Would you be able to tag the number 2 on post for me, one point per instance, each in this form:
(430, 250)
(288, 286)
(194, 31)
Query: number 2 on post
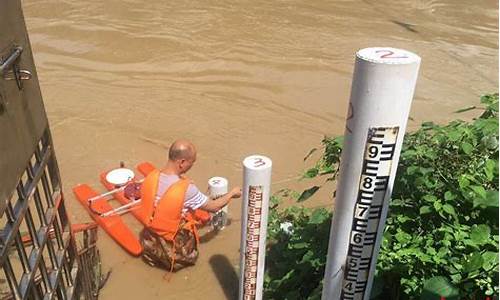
(389, 54)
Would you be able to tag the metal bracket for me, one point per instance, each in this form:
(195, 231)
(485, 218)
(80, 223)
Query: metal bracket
(21, 75)
(9, 68)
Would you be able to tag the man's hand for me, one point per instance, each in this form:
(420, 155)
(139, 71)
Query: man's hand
(216, 204)
(235, 192)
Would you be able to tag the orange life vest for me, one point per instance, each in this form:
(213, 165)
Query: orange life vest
(166, 218)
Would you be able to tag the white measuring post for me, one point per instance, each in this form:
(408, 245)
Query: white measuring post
(217, 187)
(382, 91)
(254, 212)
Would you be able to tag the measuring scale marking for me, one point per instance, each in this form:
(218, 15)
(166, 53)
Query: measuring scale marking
(374, 179)
(254, 216)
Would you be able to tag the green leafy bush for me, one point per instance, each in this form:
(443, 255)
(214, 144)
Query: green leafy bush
(296, 254)
(441, 235)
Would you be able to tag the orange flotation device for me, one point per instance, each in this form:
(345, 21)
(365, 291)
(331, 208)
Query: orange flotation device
(167, 218)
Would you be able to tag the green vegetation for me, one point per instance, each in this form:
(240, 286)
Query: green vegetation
(441, 234)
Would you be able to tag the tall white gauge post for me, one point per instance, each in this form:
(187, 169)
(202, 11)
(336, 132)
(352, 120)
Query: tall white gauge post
(255, 208)
(382, 91)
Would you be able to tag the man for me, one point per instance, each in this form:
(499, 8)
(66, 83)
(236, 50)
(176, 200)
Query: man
(170, 201)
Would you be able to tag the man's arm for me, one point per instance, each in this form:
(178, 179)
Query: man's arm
(216, 204)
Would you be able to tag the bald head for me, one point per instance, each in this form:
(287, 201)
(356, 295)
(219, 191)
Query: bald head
(181, 149)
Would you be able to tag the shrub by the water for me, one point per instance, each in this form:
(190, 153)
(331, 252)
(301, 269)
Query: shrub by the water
(441, 234)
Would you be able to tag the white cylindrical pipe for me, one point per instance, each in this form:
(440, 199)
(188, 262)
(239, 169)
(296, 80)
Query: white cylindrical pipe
(255, 208)
(217, 187)
(382, 91)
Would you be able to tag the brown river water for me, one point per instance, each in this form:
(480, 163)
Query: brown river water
(123, 79)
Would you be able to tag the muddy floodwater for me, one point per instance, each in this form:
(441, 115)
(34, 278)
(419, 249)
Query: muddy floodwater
(122, 79)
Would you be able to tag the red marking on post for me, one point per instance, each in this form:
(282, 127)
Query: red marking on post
(388, 54)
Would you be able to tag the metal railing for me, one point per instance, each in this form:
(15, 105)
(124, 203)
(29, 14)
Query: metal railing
(38, 252)
(89, 278)
(45, 268)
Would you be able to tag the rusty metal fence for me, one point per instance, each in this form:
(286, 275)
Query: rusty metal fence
(41, 255)
(90, 278)
(45, 266)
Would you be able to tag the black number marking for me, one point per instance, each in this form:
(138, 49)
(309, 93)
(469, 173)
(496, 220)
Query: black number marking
(372, 151)
(367, 183)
